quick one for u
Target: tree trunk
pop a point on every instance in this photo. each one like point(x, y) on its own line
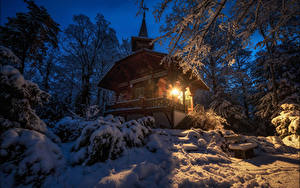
point(86, 91)
point(22, 65)
point(98, 96)
point(213, 75)
point(46, 78)
point(272, 71)
point(70, 95)
point(244, 90)
point(245, 99)
point(103, 98)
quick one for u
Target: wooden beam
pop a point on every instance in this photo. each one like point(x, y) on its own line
point(183, 98)
point(144, 78)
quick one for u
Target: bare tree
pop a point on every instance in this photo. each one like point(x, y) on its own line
point(88, 43)
point(189, 22)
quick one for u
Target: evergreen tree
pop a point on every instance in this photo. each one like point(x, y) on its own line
point(30, 34)
point(285, 62)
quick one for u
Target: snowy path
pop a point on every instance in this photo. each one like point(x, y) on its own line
point(174, 158)
point(276, 170)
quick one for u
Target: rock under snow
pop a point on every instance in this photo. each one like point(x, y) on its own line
point(242, 146)
point(190, 147)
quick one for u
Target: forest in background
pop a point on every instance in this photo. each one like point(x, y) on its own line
point(248, 89)
point(53, 133)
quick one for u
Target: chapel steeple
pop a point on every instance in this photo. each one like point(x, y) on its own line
point(143, 30)
point(142, 41)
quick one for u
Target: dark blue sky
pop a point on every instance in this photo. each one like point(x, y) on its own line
point(120, 13)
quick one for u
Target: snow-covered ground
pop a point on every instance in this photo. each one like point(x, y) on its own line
point(193, 158)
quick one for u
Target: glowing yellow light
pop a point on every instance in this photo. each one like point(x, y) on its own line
point(175, 92)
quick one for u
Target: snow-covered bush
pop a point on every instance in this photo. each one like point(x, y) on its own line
point(112, 119)
point(17, 98)
point(292, 140)
point(134, 132)
point(7, 57)
point(28, 156)
point(54, 110)
point(234, 114)
point(68, 129)
point(105, 143)
point(92, 112)
point(147, 121)
point(287, 122)
point(206, 120)
point(227, 110)
point(106, 138)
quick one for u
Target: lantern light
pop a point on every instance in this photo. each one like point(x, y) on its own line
point(175, 92)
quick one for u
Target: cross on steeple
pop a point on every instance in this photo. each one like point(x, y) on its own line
point(142, 41)
point(144, 8)
point(143, 31)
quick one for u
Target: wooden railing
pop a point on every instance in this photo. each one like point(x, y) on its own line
point(142, 103)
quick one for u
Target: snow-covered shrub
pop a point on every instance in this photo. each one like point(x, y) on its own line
point(17, 98)
point(106, 138)
point(287, 122)
point(54, 110)
point(83, 140)
point(147, 121)
point(92, 112)
point(112, 119)
point(292, 140)
point(134, 133)
point(233, 113)
point(105, 143)
point(227, 110)
point(28, 156)
point(68, 129)
point(206, 120)
point(7, 57)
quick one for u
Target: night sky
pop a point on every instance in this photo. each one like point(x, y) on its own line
point(120, 13)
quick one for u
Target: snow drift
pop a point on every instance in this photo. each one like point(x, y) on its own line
point(190, 158)
point(28, 156)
